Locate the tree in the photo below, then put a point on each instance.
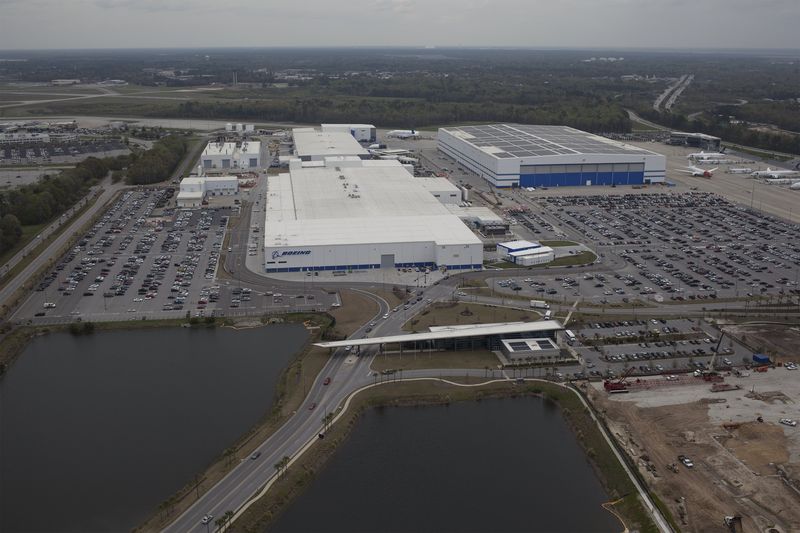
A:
(10, 232)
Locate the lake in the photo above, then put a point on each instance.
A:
(504, 465)
(96, 431)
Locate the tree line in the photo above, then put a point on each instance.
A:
(405, 113)
(722, 128)
(158, 163)
(39, 202)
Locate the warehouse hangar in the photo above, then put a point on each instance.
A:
(521, 155)
(344, 213)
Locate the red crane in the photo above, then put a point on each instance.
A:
(619, 385)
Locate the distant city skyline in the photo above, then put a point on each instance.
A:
(673, 24)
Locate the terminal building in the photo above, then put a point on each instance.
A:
(695, 140)
(245, 155)
(520, 155)
(517, 341)
(345, 213)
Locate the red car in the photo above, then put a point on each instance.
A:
(327, 381)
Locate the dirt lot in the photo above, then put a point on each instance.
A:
(741, 466)
(450, 314)
(778, 341)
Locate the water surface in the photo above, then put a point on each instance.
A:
(493, 466)
(96, 431)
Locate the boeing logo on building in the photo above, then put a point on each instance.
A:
(283, 253)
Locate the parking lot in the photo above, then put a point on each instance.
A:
(67, 152)
(132, 264)
(655, 346)
(671, 248)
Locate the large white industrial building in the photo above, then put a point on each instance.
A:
(242, 155)
(520, 155)
(360, 132)
(194, 190)
(345, 213)
(316, 145)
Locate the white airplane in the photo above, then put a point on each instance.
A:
(769, 173)
(403, 134)
(699, 172)
(782, 181)
(795, 186)
(740, 170)
(706, 155)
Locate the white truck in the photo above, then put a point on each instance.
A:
(539, 304)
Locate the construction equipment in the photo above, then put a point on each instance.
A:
(619, 385)
(711, 374)
(734, 523)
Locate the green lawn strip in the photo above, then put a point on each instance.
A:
(557, 244)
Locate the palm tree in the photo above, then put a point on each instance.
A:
(326, 421)
(228, 517)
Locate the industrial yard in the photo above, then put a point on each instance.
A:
(745, 462)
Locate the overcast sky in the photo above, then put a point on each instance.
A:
(49, 24)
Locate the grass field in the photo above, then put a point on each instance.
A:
(451, 314)
(557, 244)
(582, 258)
(421, 359)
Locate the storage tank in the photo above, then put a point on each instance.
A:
(464, 194)
(228, 127)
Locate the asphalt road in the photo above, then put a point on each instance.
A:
(51, 252)
(347, 373)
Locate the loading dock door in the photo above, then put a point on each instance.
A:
(387, 260)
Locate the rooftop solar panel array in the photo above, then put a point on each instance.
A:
(523, 140)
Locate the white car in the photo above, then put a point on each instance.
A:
(207, 518)
(788, 422)
(386, 315)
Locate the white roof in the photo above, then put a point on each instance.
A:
(438, 185)
(193, 181)
(452, 332)
(532, 251)
(221, 179)
(347, 126)
(309, 142)
(516, 245)
(231, 148)
(373, 202)
(483, 214)
(190, 195)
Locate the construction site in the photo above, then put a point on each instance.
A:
(720, 448)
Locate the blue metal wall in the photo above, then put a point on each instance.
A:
(577, 179)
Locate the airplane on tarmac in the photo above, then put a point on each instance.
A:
(740, 170)
(770, 173)
(795, 186)
(704, 156)
(403, 134)
(699, 172)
